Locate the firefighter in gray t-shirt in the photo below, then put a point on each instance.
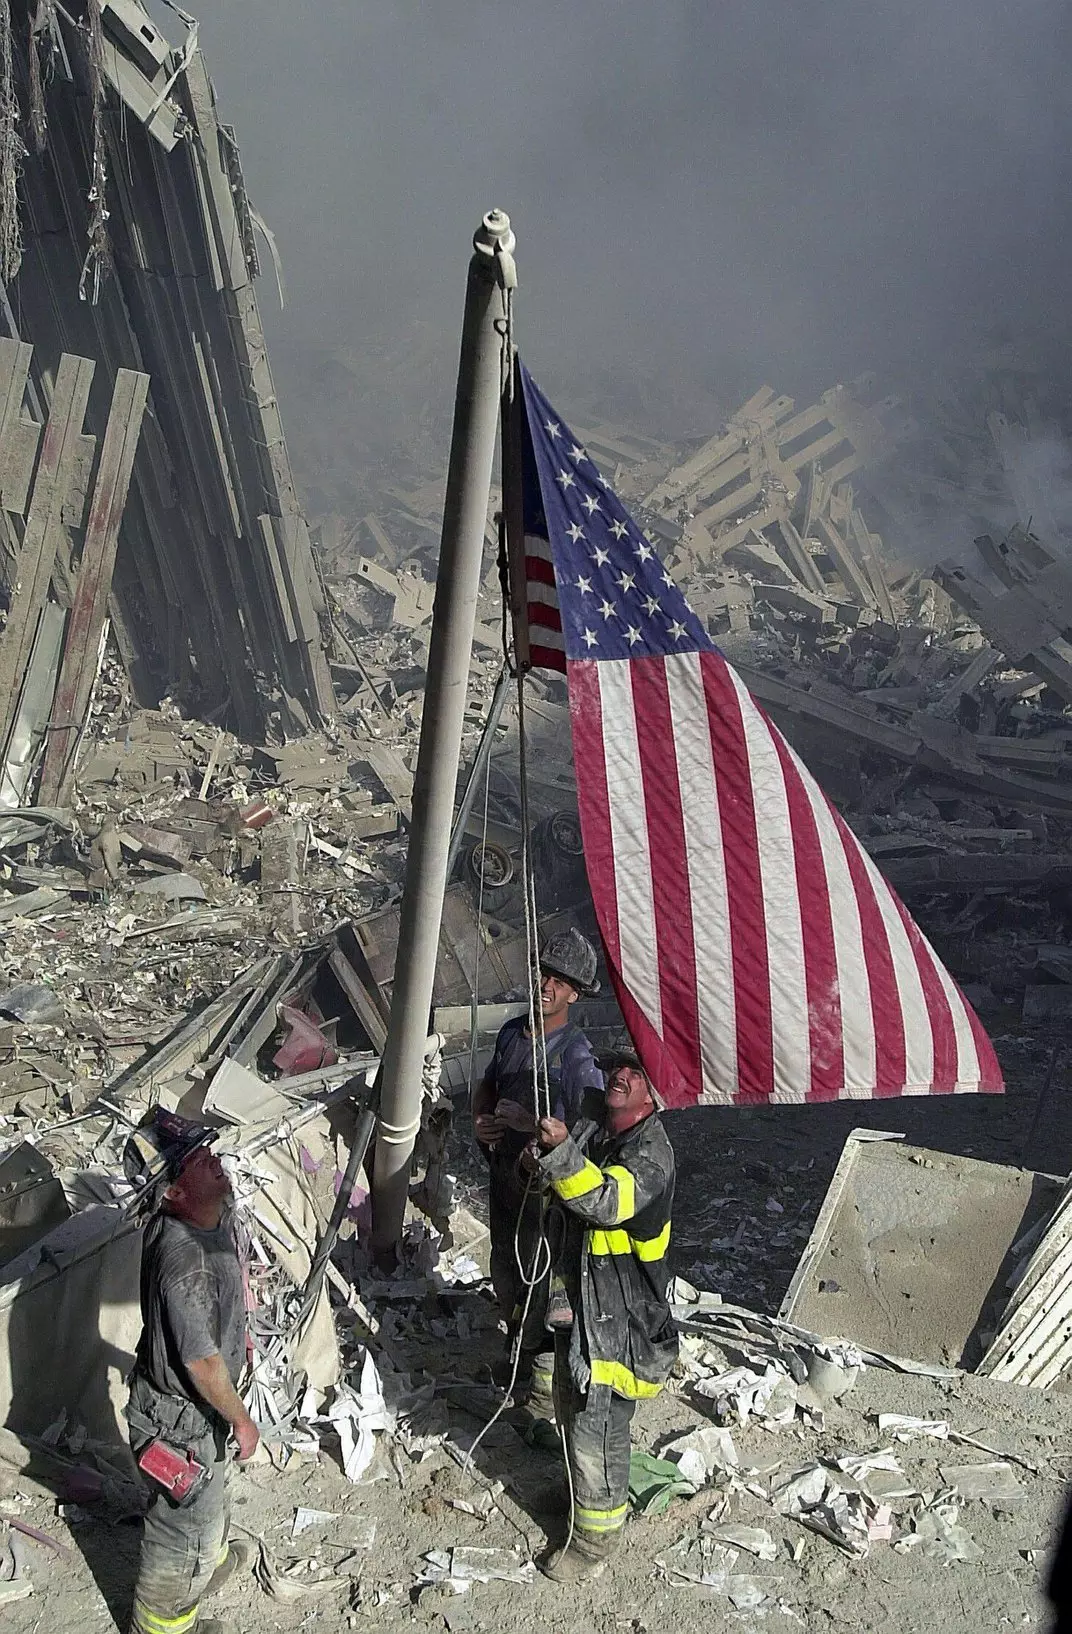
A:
(183, 1398)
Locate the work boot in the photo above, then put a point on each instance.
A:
(236, 1558)
(584, 1559)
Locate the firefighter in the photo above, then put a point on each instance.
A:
(504, 1121)
(183, 1398)
(621, 1343)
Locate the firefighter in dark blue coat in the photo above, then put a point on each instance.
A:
(505, 1113)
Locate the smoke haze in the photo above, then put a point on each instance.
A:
(705, 197)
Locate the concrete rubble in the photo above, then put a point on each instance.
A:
(209, 720)
(211, 922)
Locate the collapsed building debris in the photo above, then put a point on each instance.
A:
(139, 251)
(202, 852)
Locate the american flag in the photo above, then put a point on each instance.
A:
(757, 953)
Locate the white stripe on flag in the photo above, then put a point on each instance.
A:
(716, 1009)
(918, 1037)
(535, 546)
(857, 1018)
(542, 635)
(545, 593)
(781, 906)
(629, 839)
(969, 1068)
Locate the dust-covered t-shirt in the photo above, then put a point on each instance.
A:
(192, 1303)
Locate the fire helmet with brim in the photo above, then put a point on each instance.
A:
(161, 1144)
(571, 956)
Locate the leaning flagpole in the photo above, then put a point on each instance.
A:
(481, 379)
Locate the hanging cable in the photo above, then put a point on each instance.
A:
(540, 1264)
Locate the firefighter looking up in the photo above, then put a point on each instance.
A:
(183, 1401)
(504, 1121)
(612, 1261)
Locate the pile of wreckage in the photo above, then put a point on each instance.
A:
(208, 737)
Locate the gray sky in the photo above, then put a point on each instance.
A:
(722, 193)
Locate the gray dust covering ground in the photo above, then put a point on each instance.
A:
(751, 1183)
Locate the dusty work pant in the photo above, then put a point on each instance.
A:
(181, 1548)
(596, 1425)
(515, 1229)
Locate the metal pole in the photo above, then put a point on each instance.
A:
(472, 452)
(476, 771)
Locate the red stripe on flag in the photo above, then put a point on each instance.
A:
(546, 657)
(539, 569)
(825, 1020)
(748, 929)
(887, 1015)
(546, 617)
(593, 800)
(671, 892)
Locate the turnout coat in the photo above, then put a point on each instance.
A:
(614, 1257)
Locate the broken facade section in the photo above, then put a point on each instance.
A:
(139, 252)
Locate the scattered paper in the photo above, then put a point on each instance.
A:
(743, 1394)
(482, 1507)
(357, 1418)
(460, 1567)
(703, 1454)
(707, 1564)
(291, 1582)
(995, 1483)
(938, 1533)
(755, 1540)
(878, 1474)
(304, 1518)
(903, 1427)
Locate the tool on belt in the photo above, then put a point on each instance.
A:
(175, 1469)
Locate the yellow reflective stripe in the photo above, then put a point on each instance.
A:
(221, 1559)
(626, 1191)
(622, 1381)
(151, 1622)
(610, 1242)
(620, 1242)
(652, 1248)
(600, 1520)
(580, 1184)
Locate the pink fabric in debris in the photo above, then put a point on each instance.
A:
(305, 1048)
